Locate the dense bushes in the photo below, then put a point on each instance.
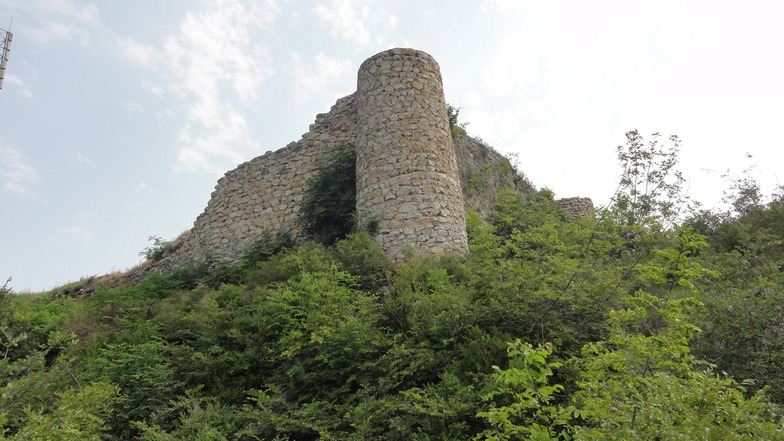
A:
(550, 328)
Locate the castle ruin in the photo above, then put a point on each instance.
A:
(413, 180)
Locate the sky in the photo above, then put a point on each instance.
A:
(117, 118)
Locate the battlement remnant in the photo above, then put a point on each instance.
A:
(579, 207)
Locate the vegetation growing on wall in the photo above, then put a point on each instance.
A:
(452, 114)
(550, 328)
(328, 208)
(158, 249)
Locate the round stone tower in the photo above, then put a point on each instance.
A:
(407, 176)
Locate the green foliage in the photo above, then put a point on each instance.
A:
(30, 384)
(531, 412)
(643, 383)
(145, 376)
(266, 247)
(540, 274)
(359, 255)
(477, 179)
(326, 351)
(75, 415)
(452, 113)
(650, 387)
(650, 188)
(744, 193)
(623, 327)
(743, 318)
(5, 291)
(204, 418)
(328, 206)
(158, 249)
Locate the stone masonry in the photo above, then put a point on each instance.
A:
(580, 207)
(263, 194)
(407, 176)
(410, 179)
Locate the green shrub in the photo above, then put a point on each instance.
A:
(158, 249)
(328, 207)
(452, 113)
(77, 414)
(267, 246)
(147, 381)
(5, 290)
(361, 256)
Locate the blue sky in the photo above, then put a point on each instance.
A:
(117, 118)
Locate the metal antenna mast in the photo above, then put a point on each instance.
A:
(8, 37)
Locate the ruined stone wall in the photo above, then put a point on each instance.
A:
(407, 177)
(413, 180)
(264, 193)
(484, 171)
(579, 207)
(407, 174)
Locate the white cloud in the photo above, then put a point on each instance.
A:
(565, 86)
(548, 91)
(315, 77)
(57, 20)
(16, 175)
(137, 53)
(13, 82)
(219, 138)
(214, 66)
(357, 21)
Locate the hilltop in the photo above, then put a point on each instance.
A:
(618, 326)
(322, 307)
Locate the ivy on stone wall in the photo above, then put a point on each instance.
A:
(328, 208)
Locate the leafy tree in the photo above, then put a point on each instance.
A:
(266, 247)
(743, 318)
(531, 412)
(452, 113)
(643, 383)
(540, 274)
(146, 379)
(314, 341)
(5, 291)
(206, 418)
(650, 188)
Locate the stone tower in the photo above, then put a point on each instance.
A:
(410, 180)
(407, 174)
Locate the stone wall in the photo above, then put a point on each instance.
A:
(407, 173)
(413, 180)
(407, 177)
(264, 193)
(579, 207)
(483, 171)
